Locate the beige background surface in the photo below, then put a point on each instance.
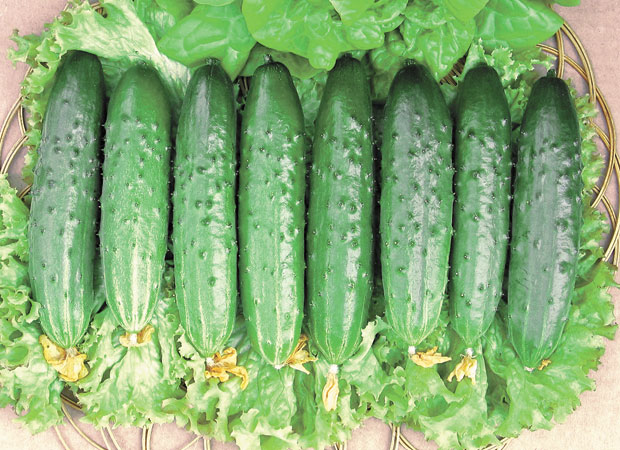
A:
(593, 426)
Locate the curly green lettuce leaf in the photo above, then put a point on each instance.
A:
(593, 164)
(39, 52)
(257, 417)
(280, 408)
(13, 237)
(462, 422)
(361, 381)
(452, 414)
(315, 30)
(210, 31)
(395, 401)
(27, 382)
(127, 386)
(517, 23)
(555, 390)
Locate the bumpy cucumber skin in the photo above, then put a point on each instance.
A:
(482, 204)
(204, 233)
(416, 203)
(271, 213)
(546, 221)
(339, 237)
(134, 199)
(64, 209)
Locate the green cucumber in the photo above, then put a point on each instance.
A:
(546, 221)
(134, 199)
(416, 203)
(64, 209)
(204, 235)
(271, 213)
(339, 238)
(482, 204)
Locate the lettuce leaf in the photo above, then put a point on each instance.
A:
(210, 31)
(297, 65)
(127, 386)
(361, 381)
(280, 408)
(385, 62)
(310, 91)
(436, 37)
(314, 30)
(454, 415)
(27, 382)
(517, 24)
(177, 8)
(158, 19)
(212, 2)
(465, 10)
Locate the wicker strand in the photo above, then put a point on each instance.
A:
(191, 443)
(61, 439)
(8, 120)
(79, 431)
(113, 438)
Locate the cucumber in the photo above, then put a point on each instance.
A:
(204, 233)
(134, 199)
(271, 213)
(416, 203)
(482, 204)
(63, 214)
(339, 238)
(546, 221)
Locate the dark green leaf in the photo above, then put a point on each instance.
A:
(298, 65)
(213, 2)
(465, 10)
(435, 37)
(210, 32)
(314, 30)
(517, 23)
